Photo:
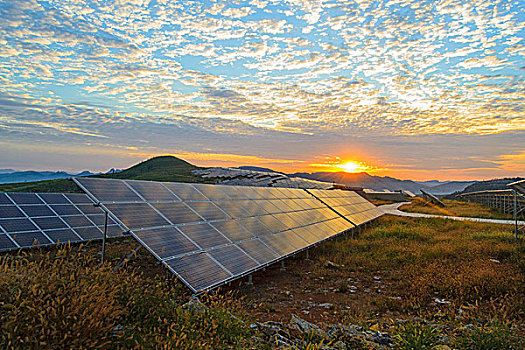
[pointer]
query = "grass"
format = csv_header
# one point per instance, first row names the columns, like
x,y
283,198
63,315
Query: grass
x,y
425,282
455,208
408,269
60,185
63,298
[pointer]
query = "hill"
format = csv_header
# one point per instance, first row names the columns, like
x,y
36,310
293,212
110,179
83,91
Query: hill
x,y
163,168
490,185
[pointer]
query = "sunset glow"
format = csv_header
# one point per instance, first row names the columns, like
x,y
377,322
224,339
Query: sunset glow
x,y
412,88
353,167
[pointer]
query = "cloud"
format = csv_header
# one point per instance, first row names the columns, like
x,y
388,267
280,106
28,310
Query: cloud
x,y
304,68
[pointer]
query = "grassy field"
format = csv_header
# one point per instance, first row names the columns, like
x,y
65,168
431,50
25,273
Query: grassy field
x,y
60,185
424,282
454,208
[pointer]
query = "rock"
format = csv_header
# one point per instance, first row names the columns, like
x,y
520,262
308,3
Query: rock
x,y
280,340
340,345
271,329
441,301
331,264
305,327
195,304
467,327
326,305
441,347
495,261
383,339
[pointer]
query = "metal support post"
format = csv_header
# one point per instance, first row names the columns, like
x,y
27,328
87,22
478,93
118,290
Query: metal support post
x,y
516,213
104,238
283,267
249,283
307,255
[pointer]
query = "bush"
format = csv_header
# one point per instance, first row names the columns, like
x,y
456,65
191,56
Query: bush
x,y
493,336
415,336
65,299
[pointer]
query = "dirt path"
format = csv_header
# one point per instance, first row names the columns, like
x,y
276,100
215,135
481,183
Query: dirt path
x,y
393,209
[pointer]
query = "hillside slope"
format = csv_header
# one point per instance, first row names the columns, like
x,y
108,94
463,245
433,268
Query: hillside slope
x,y
163,168
490,185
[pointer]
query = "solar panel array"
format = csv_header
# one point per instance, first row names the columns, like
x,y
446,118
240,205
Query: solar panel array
x,y
209,235
37,219
348,204
243,177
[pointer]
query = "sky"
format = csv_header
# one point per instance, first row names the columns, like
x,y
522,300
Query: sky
x,y
411,89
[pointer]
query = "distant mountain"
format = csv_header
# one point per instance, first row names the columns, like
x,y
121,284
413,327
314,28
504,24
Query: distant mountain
x,y
30,175
7,171
256,168
377,183
431,183
380,183
450,187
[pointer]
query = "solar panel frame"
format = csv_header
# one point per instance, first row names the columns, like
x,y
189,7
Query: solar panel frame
x,y
297,207
37,215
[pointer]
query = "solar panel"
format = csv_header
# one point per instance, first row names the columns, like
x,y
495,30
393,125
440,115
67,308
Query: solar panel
x,y
348,204
38,219
209,235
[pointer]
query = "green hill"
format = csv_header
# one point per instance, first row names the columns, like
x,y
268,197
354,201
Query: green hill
x,y
163,168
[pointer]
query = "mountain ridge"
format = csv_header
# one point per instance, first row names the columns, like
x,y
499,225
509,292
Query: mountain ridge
x,y
33,175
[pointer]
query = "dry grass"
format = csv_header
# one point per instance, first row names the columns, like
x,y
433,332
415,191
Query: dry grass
x,y
407,268
61,298
429,258
454,208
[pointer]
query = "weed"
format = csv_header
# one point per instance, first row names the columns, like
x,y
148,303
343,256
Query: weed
x,y
492,336
415,336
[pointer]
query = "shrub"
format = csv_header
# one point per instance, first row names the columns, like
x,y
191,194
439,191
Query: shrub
x,y
415,336
493,336
65,299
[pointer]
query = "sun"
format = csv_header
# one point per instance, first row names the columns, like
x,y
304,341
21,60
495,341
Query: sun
x,y
352,167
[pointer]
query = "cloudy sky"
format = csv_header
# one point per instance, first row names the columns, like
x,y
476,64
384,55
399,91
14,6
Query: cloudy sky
x,y
411,89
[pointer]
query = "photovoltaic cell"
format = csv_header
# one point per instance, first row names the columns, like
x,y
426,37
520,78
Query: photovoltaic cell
x,y
10,211
233,259
55,198
177,213
348,204
153,191
137,215
6,243
4,199
36,219
185,192
166,242
198,270
215,234
30,239
233,230
208,210
259,251
204,235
